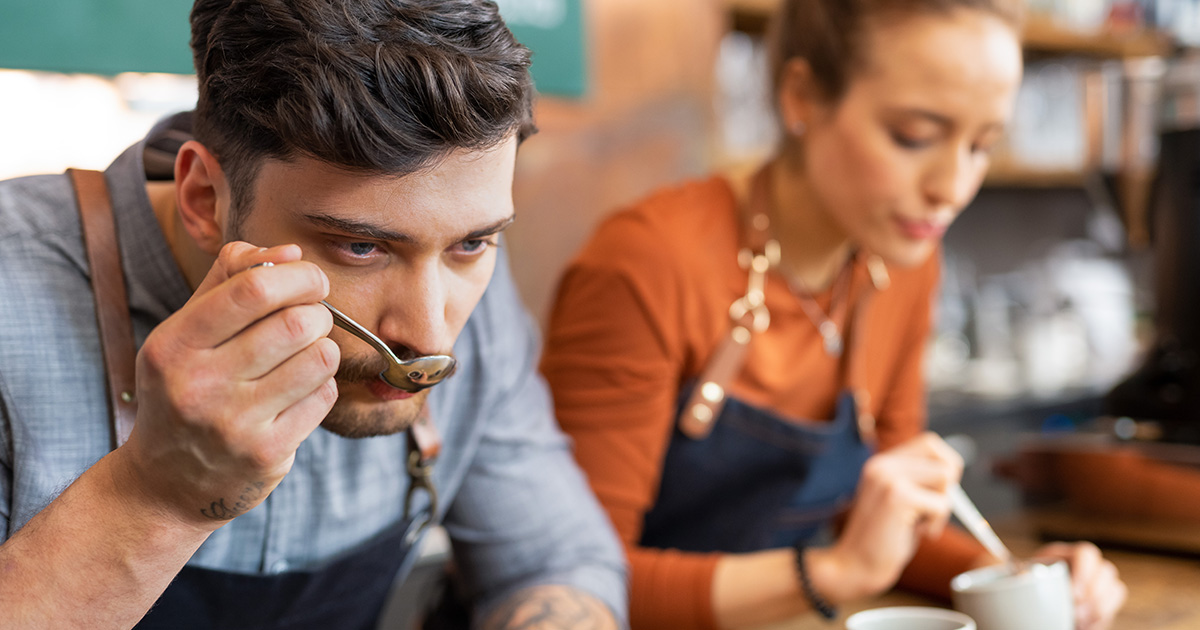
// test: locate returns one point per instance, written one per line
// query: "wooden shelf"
(751, 16)
(1003, 175)
(1042, 35)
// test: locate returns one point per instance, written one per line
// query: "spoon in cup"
(970, 517)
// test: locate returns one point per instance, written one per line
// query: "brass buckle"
(420, 474)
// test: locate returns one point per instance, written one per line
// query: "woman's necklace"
(831, 336)
(760, 240)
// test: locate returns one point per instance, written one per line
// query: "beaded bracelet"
(819, 604)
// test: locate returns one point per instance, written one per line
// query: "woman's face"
(900, 155)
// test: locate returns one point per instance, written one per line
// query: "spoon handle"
(970, 517)
(352, 327)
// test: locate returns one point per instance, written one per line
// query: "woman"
(740, 362)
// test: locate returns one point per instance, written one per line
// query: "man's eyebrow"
(358, 228)
(376, 233)
(498, 226)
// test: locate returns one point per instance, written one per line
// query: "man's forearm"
(98, 556)
(551, 608)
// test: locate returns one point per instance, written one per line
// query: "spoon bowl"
(412, 375)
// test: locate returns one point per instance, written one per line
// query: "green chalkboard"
(553, 30)
(112, 36)
(96, 36)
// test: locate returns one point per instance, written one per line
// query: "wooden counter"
(1164, 590)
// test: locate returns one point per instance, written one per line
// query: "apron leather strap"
(424, 445)
(748, 315)
(112, 301)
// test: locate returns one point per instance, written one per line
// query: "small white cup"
(1035, 596)
(909, 618)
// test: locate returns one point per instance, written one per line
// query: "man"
(364, 149)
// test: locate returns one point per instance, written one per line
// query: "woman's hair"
(830, 34)
(371, 86)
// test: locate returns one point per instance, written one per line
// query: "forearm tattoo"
(551, 608)
(219, 510)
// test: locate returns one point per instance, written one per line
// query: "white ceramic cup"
(909, 618)
(1035, 596)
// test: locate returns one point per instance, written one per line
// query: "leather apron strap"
(747, 315)
(112, 301)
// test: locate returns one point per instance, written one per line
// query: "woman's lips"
(920, 230)
(383, 391)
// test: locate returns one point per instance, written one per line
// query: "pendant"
(831, 337)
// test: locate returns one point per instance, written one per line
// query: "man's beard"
(382, 418)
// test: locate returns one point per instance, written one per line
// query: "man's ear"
(202, 195)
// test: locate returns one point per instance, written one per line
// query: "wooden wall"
(645, 122)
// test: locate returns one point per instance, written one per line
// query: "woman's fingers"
(1096, 585)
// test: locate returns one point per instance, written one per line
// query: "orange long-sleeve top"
(639, 312)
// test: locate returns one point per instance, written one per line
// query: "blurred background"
(1048, 298)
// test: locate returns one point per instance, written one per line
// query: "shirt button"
(279, 566)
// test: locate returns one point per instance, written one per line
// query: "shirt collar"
(155, 283)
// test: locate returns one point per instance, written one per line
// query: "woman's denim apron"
(749, 479)
(758, 481)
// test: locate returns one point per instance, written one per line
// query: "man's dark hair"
(371, 86)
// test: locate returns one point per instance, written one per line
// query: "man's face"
(407, 257)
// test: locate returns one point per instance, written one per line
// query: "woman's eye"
(909, 142)
(985, 147)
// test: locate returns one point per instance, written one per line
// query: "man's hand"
(230, 385)
(551, 608)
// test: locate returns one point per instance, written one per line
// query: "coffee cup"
(1017, 596)
(909, 618)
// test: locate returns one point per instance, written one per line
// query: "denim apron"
(758, 481)
(347, 593)
(739, 478)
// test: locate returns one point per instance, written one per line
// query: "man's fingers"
(215, 317)
(274, 339)
(295, 423)
(237, 256)
(295, 378)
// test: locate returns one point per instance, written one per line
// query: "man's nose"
(414, 311)
(955, 178)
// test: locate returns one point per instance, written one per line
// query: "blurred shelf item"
(751, 16)
(1015, 176)
(1043, 36)
(953, 411)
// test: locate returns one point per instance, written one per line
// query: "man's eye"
(361, 249)
(475, 245)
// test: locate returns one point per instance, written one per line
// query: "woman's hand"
(902, 497)
(1098, 590)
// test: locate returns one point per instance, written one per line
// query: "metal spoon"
(412, 375)
(970, 517)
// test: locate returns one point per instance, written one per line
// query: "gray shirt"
(516, 507)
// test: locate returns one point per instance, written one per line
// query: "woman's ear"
(202, 195)
(799, 96)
